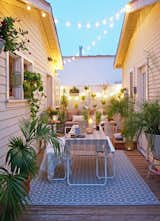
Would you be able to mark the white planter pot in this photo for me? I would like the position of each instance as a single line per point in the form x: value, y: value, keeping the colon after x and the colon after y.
x: 154, y: 143
x: 2, y: 43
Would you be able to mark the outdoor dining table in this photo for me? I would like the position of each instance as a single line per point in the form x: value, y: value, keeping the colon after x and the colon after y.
x: 102, y: 144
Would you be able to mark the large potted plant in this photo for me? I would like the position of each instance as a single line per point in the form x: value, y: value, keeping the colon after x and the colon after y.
x: 148, y: 121
x: 151, y: 126
x: 12, y: 195
x: 21, y: 156
x: 12, y: 38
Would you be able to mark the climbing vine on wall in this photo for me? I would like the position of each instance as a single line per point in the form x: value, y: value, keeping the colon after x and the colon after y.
x: 33, y: 91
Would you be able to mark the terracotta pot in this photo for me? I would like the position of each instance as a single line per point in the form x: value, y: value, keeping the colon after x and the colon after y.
x: 27, y: 184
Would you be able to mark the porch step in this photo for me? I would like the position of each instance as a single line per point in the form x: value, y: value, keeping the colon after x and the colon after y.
x: 92, y: 213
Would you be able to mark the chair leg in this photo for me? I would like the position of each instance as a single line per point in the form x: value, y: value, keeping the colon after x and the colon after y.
x: 113, y: 167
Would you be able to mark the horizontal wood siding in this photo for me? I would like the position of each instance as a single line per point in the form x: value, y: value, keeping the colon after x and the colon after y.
x: 11, y: 113
x: 145, y: 42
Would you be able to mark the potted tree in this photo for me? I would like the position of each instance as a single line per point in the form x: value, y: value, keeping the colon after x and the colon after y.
x: 12, y: 195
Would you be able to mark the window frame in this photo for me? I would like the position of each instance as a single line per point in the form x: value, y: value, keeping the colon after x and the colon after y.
x: 22, y: 58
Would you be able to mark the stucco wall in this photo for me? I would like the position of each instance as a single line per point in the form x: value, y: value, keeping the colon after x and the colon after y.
x: 89, y: 70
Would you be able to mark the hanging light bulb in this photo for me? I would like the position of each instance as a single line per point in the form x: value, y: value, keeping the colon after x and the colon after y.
x: 79, y: 25
x: 111, y: 25
x: 105, y: 32
x: 127, y: 8
x: 117, y: 16
x: 28, y: 7
x: 68, y: 23
x: 97, y: 24
x: 88, y: 25
x: 43, y: 14
x: 104, y: 21
x: 93, y: 43
x: 56, y: 20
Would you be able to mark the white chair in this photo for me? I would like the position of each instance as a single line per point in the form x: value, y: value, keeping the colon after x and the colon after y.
x: 110, y: 156
x: 51, y: 160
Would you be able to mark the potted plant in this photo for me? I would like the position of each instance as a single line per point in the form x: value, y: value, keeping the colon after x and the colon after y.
x: 98, y: 119
x: 147, y: 120
x: 13, y: 38
x: 132, y: 129
x: 151, y: 126
x: 21, y: 158
x: 12, y: 195
x: 74, y: 91
x: 53, y: 113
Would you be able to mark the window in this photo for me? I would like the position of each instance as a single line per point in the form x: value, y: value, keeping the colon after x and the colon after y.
x: 131, y: 85
x: 27, y: 65
x: 16, y: 67
x: 142, y: 84
x: 15, y: 78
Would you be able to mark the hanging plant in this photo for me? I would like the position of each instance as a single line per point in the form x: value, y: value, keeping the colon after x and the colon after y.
x: 13, y: 38
x: 74, y: 91
x: 33, y: 91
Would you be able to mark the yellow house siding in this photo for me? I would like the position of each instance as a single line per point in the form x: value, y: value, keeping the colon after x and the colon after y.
x: 11, y: 113
x: 145, y: 43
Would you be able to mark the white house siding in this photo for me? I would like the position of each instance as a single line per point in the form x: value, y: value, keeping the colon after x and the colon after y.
x: 12, y: 112
x: 145, y: 43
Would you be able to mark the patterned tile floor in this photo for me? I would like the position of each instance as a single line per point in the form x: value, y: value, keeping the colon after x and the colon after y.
x: 127, y: 188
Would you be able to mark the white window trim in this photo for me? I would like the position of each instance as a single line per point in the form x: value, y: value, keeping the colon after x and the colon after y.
x: 138, y: 66
x: 15, y: 101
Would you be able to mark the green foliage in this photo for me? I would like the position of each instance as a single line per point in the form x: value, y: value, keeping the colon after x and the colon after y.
x: 151, y: 117
x: 132, y: 126
x: 21, y: 158
x: 118, y: 105
x: 74, y: 90
x: 33, y: 91
x: 12, y: 195
x: 15, y: 38
x: 83, y: 97
x: 148, y: 120
x: 98, y: 117
x: 64, y: 102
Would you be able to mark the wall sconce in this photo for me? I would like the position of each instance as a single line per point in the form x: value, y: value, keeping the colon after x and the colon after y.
x: 50, y: 59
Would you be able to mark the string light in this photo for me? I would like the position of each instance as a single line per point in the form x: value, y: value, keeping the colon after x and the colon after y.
x: 88, y: 25
x: 97, y: 24
x: 43, y: 14
x: 28, y: 7
x: 56, y: 21
x: 68, y: 23
x: 105, y: 21
x: 79, y: 25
